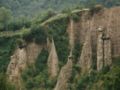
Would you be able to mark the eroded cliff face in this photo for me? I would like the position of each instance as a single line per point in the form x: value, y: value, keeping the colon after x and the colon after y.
x: 104, y: 46
x: 22, y: 57
x: 107, y: 18
x: 99, y: 34
x: 53, y: 61
x: 71, y: 34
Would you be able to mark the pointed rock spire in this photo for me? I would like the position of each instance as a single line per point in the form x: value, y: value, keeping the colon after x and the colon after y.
x: 104, y: 52
x: 64, y: 76
x: 53, y: 66
x: 100, y: 50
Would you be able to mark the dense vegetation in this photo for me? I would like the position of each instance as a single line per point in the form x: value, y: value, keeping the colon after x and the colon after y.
x: 37, y: 33
x: 14, y: 16
x: 7, y: 46
x: 30, y: 7
x: 36, y: 76
x: 58, y: 32
x: 107, y: 79
x: 9, y: 23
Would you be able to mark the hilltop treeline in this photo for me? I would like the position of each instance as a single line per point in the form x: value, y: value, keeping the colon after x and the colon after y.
x: 31, y: 7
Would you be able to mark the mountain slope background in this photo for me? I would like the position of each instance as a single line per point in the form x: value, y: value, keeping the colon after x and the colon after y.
x: 33, y: 7
x: 30, y: 7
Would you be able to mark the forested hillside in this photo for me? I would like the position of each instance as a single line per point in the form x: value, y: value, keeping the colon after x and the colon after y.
x: 15, y: 14
x: 59, y: 45
x: 31, y: 7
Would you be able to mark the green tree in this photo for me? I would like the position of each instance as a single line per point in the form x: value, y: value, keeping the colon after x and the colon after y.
x: 5, y: 17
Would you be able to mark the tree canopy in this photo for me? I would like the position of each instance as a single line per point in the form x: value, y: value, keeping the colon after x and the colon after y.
x: 5, y: 17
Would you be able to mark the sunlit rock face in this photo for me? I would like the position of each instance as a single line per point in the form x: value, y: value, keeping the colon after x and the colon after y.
x: 19, y: 61
x: 103, y: 49
x: 53, y: 65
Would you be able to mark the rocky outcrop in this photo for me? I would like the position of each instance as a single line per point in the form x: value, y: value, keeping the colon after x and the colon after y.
x: 19, y: 60
x: 104, y: 53
x: 53, y: 66
x: 64, y: 76
x: 85, y: 61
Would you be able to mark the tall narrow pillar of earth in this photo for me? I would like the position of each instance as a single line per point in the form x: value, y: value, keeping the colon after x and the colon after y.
x: 100, y: 49
x: 52, y: 63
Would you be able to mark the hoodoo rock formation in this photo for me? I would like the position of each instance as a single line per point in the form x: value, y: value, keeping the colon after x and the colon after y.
x: 53, y: 66
x: 100, y: 55
x: 104, y: 53
x: 65, y: 75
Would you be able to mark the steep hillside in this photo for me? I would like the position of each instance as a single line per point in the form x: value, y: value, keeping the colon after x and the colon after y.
x: 79, y: 50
